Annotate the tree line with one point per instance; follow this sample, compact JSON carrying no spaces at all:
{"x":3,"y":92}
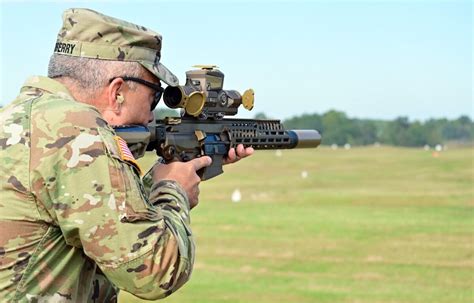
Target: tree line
{"x":337,"y":128}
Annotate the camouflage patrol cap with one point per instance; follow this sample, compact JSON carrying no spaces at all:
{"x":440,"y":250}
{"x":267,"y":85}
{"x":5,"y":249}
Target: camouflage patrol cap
{"x":87,"y":33}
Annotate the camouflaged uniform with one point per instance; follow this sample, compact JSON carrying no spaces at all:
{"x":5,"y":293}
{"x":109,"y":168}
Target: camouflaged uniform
{"x":70,"y":203}
{"x":76,"y":222}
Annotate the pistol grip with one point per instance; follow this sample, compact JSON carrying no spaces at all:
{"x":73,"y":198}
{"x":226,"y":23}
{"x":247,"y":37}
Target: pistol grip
{"x":212,"y":170}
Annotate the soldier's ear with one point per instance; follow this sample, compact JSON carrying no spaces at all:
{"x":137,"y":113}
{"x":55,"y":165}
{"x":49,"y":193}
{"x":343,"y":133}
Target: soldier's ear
{"x":115,"y":95}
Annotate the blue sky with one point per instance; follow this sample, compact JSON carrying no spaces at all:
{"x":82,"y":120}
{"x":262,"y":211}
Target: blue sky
{"x":370,"y":59}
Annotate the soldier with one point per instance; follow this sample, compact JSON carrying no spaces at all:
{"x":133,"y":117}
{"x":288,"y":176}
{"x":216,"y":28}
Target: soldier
{"x":76,"y":221}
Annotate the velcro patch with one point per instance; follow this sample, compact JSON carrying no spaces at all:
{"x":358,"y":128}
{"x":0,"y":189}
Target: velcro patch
{"x":125,"y":153}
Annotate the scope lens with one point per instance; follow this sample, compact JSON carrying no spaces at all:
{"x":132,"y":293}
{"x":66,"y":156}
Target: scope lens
{"x":173,"y":97}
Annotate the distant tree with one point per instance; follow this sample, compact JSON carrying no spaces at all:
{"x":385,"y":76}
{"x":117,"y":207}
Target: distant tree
{"x":337,"y":128}
{"x":364,"y":132}
{"x":305,"y":121}
{"x":395,"y":132}
{"x":261,"y":116}
{"x":459,"y":129}
{"x":161,"y":113}
{"x":415,"y":135}
{"x":434,"y":131}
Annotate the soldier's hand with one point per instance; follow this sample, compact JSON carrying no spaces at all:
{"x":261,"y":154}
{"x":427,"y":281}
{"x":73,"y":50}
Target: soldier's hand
{"x":185,"y":174}
{"x":235,"y":154}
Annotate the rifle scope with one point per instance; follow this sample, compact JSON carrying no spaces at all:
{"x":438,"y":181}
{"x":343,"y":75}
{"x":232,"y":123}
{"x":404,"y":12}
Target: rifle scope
{"x":203,"y":97}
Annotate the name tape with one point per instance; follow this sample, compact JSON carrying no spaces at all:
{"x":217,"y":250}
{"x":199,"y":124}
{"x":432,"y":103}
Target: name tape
{"x":66,"y":48}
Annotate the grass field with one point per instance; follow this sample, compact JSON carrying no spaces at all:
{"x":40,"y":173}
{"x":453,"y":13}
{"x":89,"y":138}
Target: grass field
{"x":366,"y":225}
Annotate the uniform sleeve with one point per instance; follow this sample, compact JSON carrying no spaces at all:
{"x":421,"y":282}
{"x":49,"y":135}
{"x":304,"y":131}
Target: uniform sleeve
{"x":143,"y":244}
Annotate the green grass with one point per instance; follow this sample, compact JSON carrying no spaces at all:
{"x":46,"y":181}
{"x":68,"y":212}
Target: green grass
{"x":367,"y":225}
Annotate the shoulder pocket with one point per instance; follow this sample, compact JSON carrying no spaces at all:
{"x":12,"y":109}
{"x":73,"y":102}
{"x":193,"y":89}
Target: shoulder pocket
{"x":125,"y":178}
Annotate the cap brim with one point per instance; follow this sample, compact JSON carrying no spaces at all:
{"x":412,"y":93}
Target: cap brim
{"x":162,"y":72}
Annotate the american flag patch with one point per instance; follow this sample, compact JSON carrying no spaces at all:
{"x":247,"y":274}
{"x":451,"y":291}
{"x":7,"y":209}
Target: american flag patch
{"x":126,"y":154}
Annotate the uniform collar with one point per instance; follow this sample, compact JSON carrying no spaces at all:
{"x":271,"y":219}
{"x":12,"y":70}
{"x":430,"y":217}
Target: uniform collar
{"x":49,"y":85}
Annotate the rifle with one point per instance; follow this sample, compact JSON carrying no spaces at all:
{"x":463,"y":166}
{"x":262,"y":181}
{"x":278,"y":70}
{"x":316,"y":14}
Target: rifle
{"x":202,"y":128}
